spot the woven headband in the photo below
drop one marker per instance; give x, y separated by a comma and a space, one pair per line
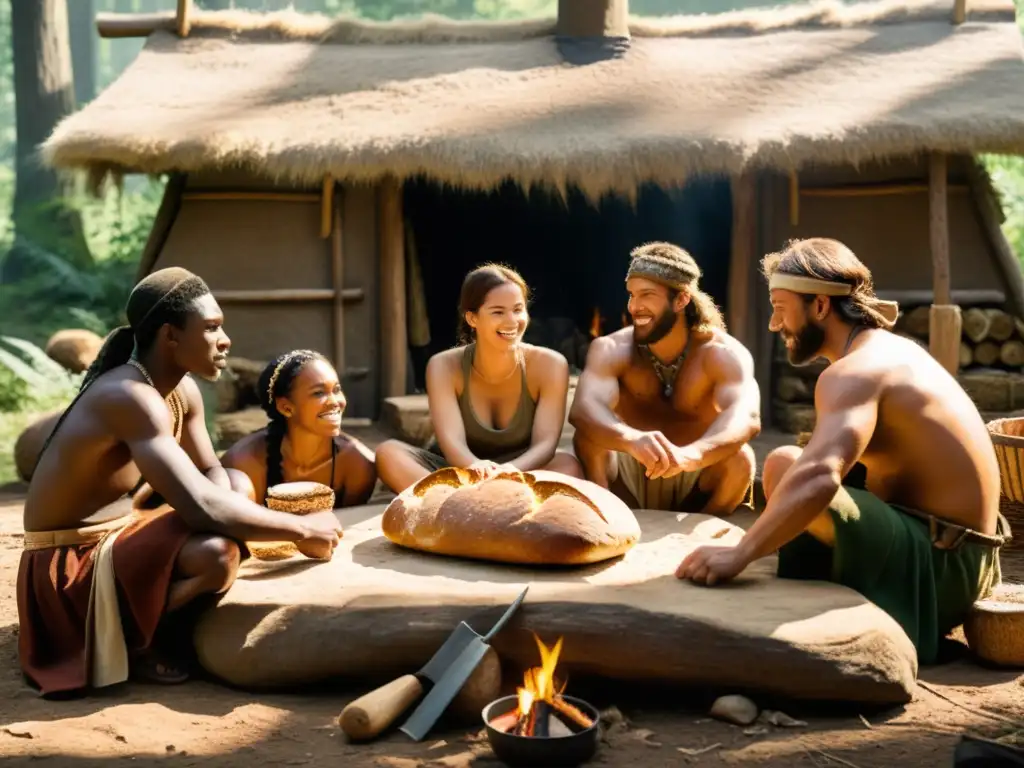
890, 310
278, 368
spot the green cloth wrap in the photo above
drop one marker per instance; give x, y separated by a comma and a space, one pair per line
888, 557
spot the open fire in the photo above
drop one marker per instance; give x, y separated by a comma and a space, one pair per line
541, 711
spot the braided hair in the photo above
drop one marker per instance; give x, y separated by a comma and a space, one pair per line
165, 296
276, 381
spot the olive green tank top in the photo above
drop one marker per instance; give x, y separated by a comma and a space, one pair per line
495, 444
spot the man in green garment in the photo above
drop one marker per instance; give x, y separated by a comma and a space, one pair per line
896, 494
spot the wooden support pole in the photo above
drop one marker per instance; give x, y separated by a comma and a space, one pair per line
945, 322
118, 25
391, 236
874, 190
741, 265
959, 11
794, 199
183, 17
338, 283
327, 206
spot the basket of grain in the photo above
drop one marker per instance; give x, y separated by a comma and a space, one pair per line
300, 498
1008, 439
995, 626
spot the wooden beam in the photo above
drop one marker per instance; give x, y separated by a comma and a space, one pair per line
165, 217
986, 205
327, 206
183, 17
279, 295
741, 264
964, 297
271, 197
959, 11
874, 190
117, 25
794, 199
391, 236
945, 322
338, 283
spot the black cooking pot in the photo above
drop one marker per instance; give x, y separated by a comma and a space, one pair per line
539, 751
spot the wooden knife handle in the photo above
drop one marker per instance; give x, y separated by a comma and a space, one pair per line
373, 712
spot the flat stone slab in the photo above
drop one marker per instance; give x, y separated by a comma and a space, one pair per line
377, 610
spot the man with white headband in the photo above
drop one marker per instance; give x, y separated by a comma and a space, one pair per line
896, 494
665, 408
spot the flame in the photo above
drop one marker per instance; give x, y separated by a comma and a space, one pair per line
595, 324
539, 682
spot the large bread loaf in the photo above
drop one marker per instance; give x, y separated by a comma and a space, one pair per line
536, 518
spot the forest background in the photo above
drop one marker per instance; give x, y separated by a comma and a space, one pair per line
68, 259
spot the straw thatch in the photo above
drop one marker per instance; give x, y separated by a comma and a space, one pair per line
471, 104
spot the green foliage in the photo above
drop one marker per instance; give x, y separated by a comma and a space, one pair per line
30, 380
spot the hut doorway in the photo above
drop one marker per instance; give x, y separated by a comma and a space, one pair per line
571, 253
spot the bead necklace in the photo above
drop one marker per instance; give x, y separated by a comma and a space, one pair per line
177, 404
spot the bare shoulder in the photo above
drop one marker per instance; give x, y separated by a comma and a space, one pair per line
544, 360
446, 362
611, 354
724, 352
850, 380
119, 398
248, 452
193, 396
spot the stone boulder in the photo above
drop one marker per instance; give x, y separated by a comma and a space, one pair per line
232, 427
30, 443
74, 348
377, 610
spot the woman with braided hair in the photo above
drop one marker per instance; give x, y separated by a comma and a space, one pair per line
301, 394
105, 590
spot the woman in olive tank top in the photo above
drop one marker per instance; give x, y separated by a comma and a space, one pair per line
493, 400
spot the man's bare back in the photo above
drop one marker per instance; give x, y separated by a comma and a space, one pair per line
929, 449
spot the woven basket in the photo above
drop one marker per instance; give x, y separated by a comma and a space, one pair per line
1008, 439
995, 627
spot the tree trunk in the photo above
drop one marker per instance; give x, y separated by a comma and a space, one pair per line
44, 94
81, 26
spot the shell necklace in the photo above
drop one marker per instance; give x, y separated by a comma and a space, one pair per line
177, 404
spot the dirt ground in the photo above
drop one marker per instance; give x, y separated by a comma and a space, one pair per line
204, 723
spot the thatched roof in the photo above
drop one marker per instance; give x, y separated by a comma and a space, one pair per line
297, 97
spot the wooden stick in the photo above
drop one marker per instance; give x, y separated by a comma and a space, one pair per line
580, 718
946, 323
393, 330
741, 266
166, 215
990, 215
338, 284
962, 296
794, 199
184, 23
959, 11
872, 190
810, 751
275, 197
972, 710
327, 206
118, 25
275, 295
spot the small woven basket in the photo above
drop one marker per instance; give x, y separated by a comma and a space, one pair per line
1008, 439
995, 627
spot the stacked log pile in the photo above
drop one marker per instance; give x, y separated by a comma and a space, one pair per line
991, 366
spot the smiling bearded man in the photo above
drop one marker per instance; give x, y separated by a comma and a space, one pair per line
665, 408
896, 495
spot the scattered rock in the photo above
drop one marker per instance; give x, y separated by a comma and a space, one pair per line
74, 348
734, 709
757, 730
232, 427
699, 751
780, 719
438, 744
170, 748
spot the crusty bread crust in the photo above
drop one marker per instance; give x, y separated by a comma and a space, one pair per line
536, 518
300, 498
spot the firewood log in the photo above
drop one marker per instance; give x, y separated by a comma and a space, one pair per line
966, 354
986, 353
1019, 325
793, 389
916, 322
976, 324
1012, 353
1002, 327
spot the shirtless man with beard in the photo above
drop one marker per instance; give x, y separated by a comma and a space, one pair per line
99, 575
896, 495
664, 409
